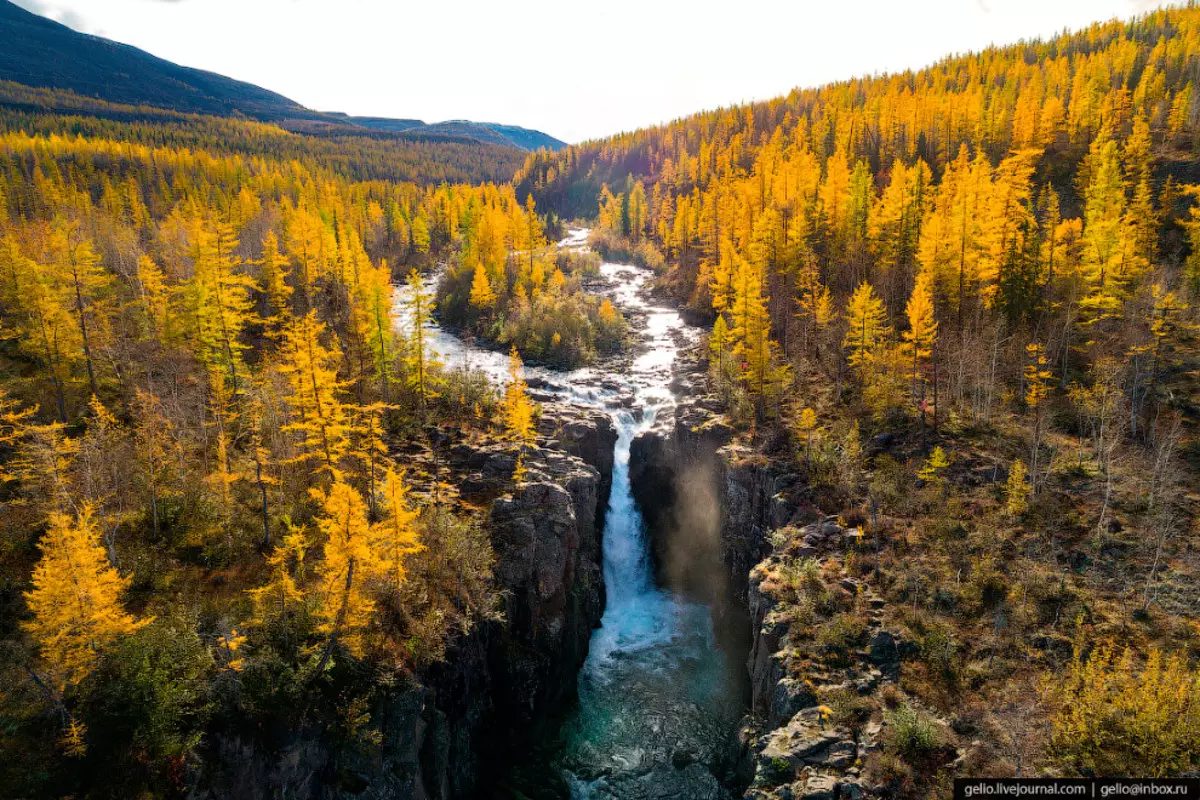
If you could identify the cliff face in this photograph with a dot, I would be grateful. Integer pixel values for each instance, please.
(709, 502)
(723, 516)
(431, 734)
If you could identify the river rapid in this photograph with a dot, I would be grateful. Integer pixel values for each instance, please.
(659, 699)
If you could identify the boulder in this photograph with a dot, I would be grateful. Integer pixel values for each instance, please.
(817, 787)
(884, 648)
(807, 739)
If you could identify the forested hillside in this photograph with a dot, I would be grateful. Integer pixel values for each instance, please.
(109, 78)
(202, 386)
(44, 53)
(357, 154)
(961, 302)
(247, 520)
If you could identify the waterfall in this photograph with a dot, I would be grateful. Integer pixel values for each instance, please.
(656, 686)
(626, 552)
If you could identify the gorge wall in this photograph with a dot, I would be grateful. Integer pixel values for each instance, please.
(727, 520)
(432, 733)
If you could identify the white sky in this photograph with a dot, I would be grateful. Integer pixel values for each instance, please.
(574, 70)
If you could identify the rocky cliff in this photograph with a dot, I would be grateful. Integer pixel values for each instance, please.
(724, 516)
(428, 736)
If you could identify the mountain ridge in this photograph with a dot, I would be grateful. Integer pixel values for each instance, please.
(42, 53)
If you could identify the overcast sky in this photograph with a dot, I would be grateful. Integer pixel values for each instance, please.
(573, 70)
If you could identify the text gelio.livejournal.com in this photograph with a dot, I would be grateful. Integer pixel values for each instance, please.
(982, 788)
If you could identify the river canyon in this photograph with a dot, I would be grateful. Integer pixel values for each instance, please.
(660, 693)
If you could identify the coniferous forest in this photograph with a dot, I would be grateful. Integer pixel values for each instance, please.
(941, 355)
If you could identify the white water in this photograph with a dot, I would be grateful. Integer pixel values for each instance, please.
(655, 681)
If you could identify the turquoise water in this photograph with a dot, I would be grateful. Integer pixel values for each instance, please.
(656, 685)
(657, 690)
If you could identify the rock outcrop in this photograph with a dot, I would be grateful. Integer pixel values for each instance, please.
(428, 737)
(714, 501)
(709, 500)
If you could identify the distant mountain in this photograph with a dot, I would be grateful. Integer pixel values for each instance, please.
(491, 132)
(42, 53)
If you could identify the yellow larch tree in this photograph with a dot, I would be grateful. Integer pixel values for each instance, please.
(518, 408)
(867, 330)
(154, 454)
(219, 299)
(1105, 239)
(1016, 490)
(921, 335)
(283, 594)
(273, 271)
(319, 418)
(76, 598)
(396, 535)
(1037, 389)
(88, 283)
(420, 360)
(154, 298)
(223, 475)
(815, 302)
(483, 296)
(754, 347)
(806, 425)
(50, 327)
(931, 470)
(14, 424)
(343, 603)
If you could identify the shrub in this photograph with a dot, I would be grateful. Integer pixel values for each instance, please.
(914, 734)
(145, 706)
(848, 708)
(841, 635)
(1114, 718)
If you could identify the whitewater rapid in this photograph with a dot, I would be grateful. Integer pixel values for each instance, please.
(656, 686)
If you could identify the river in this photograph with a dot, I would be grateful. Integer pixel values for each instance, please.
(657, 693)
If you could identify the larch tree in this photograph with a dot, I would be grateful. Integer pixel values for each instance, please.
(283, 594)
(89, 281)
(420, 360)
(483, 296)
(518, 408)
(1104, 235)
(46, 325)
(220, 302)
(1037, 389)
(223, 475)
(319, 418)
(344, 604)
(866, 330)
(154, 451)
(154, 299)
(921, 335)
(396, 535)
(76, 598)
(814, 300)
(14, 425)
(719, 346)
(1016, 490)
(273, 270)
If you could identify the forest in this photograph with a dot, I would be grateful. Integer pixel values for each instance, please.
(963, 300)
(959, 301)
(204, 383)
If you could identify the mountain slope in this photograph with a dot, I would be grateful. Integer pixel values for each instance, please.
(487, 132)
(39, 52)
(511, 135)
